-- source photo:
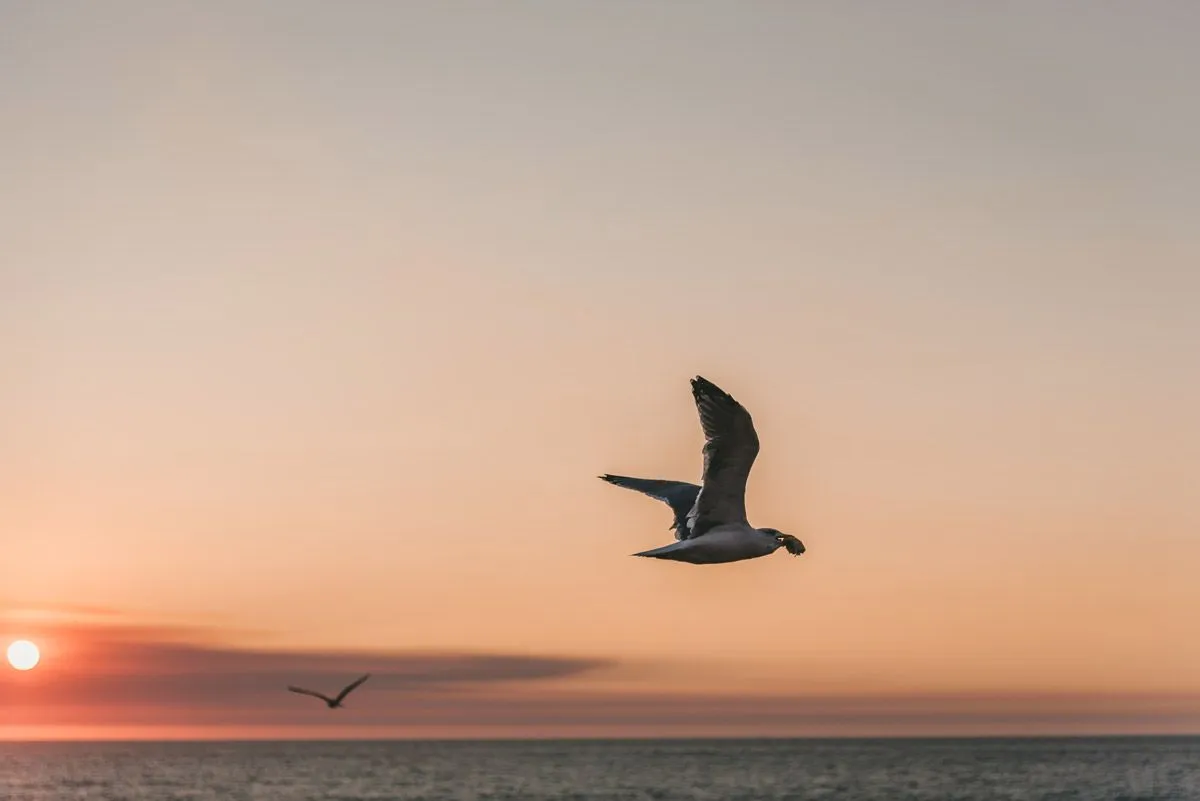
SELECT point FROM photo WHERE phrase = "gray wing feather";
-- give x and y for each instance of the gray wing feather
(679, 495)
(730, 447)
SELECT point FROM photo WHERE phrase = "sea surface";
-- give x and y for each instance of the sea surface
(1145, 769)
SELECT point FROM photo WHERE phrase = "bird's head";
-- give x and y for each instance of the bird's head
(794, 546)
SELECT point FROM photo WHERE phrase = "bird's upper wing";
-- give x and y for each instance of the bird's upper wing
(679, 495)
(730, 447)
(313, 693)
(350, 687)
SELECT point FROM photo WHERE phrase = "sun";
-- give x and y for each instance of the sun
(23, 655)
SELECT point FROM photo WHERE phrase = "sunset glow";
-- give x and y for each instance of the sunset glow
(317, 326)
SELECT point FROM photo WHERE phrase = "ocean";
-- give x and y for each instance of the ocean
(1108, 769)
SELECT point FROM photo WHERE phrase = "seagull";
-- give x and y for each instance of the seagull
(710, 520)
(332, 703)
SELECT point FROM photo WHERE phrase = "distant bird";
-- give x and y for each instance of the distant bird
(710, 520)
(332, 703)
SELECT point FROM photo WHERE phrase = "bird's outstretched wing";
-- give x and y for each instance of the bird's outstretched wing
(351, 686)
(313, 693)
(730, 447)
(679, 495)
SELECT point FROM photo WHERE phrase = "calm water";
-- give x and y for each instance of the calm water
(880, 770)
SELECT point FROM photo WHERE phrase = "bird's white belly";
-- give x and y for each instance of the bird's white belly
(728, 544)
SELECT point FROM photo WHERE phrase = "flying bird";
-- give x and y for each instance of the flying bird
(710, 520)
(332, 703)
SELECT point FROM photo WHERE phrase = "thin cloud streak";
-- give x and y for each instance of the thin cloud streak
(144, 667)
(131, 680)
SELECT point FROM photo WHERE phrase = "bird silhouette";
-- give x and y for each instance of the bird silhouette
(332, 703)
(710, 519)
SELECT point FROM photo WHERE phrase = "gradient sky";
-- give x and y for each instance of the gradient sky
(317, 324)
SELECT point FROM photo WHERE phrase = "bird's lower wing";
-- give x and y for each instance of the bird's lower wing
(679, 495)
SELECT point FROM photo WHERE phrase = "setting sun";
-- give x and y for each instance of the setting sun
(23, 655)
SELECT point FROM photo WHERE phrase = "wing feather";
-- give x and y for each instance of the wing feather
(313, 693)
(679, 495)
(351, 687)
(730, 447)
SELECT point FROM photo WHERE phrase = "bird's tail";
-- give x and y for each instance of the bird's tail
(671, 551)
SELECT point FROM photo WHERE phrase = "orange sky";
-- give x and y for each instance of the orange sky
(316, 328)
(103, 677)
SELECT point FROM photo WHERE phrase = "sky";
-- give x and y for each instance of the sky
(317, 325)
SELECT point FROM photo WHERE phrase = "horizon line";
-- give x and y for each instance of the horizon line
(616, 739)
